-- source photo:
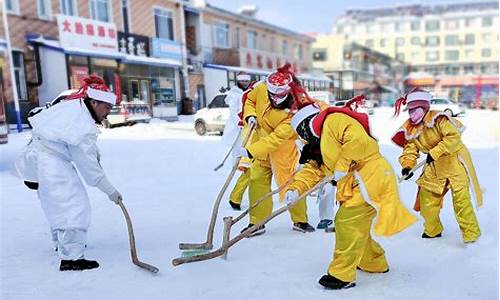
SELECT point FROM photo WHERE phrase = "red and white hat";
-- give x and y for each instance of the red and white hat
(278, 84)
(95, 88)
(413, 99)
(243, 76)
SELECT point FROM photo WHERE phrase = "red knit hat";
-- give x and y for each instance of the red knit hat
(282, 82)
(95, 88)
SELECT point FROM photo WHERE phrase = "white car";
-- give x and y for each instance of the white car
(128, 113)
(448, 106)
(324, 96)
(366, 108)
(212, 118)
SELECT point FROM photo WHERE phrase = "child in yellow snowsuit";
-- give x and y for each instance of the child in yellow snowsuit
(448, 165)
(369, 187)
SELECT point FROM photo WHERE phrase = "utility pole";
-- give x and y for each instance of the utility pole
(11, 67)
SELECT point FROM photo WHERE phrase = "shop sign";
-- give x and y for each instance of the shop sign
(133, 44)
(86, 34)
(164, 48)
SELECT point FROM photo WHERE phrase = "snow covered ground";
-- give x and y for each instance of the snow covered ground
(165, 172)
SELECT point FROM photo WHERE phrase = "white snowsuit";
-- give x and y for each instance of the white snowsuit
(231, 128)
(64, 137)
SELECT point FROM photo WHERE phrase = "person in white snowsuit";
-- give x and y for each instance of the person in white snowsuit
(64, 136)
(232, 131)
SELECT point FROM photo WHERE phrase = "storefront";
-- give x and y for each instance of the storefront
(125, 65)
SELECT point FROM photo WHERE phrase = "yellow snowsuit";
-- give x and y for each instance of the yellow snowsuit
(370, 178)
(439, 135)
(274, 151)
(244, 166)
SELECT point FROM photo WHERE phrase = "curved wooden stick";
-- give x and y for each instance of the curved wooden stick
(229, 151)
(131, 238)
(208, 244)
(224, 248)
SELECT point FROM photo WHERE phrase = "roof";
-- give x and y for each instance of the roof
(260, 23)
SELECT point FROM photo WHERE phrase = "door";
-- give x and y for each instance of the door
(145, 91)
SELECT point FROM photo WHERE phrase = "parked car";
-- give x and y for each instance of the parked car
(366, 108)
(448, 106)
(128, 113)
(213, 117)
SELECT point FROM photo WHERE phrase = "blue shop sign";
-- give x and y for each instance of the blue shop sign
(164, 48)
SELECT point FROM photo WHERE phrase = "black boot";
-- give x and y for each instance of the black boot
(425, 236)
(234, 205)
(303, 227)
(78, 265)
(258, 231)
(331, 282)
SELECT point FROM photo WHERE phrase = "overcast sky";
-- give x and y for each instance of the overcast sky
(311, 15)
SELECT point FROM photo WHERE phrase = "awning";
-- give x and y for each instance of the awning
(132, 59)
(152, 61)
(264, 72)
(55, 45)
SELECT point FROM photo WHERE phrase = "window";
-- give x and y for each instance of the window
(432, 41)
(252, 39)
(273, 44)
(415, 25)
(12, 6)
(415, 40)
(284, 48)
(19, 75)
(125, 15)
(469, 69)
(432, 25)
(398, 26)
(299, 54)
(469, 39)
(319, 55)
(451, 24)
(432, 55)
(68, 7)
(44, 9)
(486, 52)
(383, 42)
(164, 24)
(415, 56)
(400, 41)
(369, 43)
(451, 40)
(469, 22)
(451, 70)
(400, 56)
(451, 55)
(99, 10)
(487, 21)
(237, 38)
(384, 27)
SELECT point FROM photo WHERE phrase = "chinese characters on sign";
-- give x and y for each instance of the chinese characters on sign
(87, 34)
(133, 44)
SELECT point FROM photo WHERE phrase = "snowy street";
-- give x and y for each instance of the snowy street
(165, 173)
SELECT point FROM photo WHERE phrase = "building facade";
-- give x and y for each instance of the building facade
(221, 43)
(135, 45)
(357, 69)
(452, 48)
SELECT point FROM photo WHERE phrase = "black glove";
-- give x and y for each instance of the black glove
(407, 174)
(429, 158)
(334, 182)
